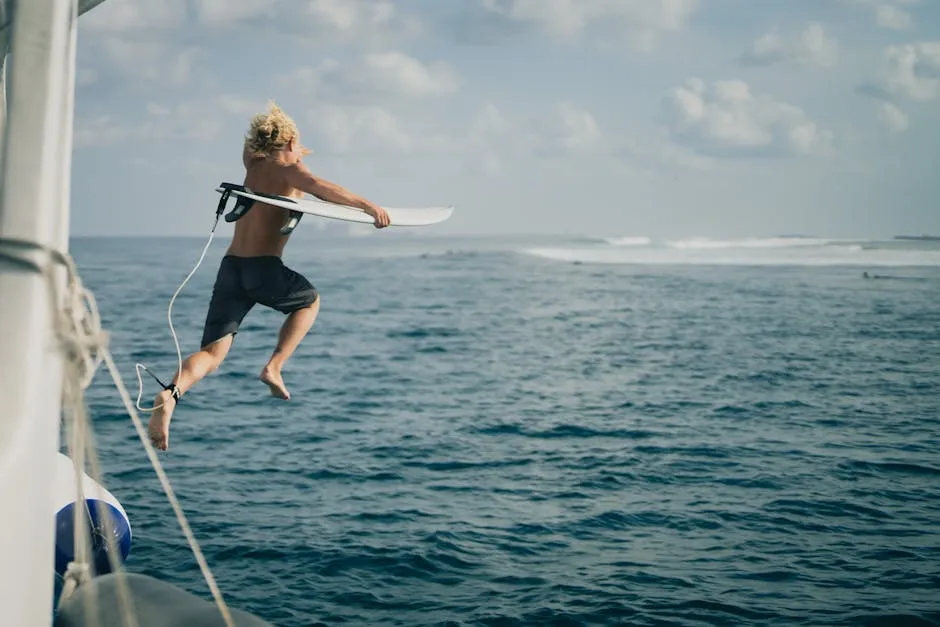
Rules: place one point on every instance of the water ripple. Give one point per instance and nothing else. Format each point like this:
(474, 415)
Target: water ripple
(491, 439)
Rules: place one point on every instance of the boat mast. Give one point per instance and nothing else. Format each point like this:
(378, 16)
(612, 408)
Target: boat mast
(5, 16)
(34, 206)
(3, 93)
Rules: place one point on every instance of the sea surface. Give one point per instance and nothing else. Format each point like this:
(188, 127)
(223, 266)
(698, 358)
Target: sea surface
(546, 431)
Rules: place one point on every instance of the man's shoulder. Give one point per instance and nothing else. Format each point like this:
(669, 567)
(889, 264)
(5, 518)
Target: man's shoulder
(295, 173)
(277, 165)
(273, 171)
(272, 179)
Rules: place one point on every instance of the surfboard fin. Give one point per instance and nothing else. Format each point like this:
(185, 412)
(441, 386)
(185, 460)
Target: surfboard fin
(242, 205)
(292, 222)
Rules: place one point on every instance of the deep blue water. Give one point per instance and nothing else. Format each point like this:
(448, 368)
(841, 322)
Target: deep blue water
(483, 437)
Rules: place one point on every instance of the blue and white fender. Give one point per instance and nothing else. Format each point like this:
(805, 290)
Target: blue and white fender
(99, 503)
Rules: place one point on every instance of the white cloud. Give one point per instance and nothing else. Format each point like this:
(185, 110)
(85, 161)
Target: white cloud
(347, 16)
(317, 21)
(186, 121)
(888, 13)
(890, 16)
(563, 106)
(913, 70)
(811, 46)
(642, 20)
(491, 164)
(99, 130)
(222, 13)
(490, 137)
(149, 61)
(396, 72)
(156, 109)
(653, 155)
(577, 130)
(241, 106)
(727, 119)
(892, 117)
(566, 131)
(327, 19)
(86, 76)
(350, 130)
(129, 38)
(121, 16)
(489, 122)
(375, 76)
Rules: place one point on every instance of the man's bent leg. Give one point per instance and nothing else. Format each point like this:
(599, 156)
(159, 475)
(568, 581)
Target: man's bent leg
(292, 332)
(195, 368)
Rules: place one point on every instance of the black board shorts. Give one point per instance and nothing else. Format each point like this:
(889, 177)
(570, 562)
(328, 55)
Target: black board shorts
(244, 281)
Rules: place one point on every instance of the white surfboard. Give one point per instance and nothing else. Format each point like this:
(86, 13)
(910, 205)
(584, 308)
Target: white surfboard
(398, 216)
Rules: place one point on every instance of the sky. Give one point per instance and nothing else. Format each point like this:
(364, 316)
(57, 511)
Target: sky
(657, 118)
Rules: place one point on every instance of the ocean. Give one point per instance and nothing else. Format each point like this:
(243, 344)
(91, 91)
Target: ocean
(546, 431)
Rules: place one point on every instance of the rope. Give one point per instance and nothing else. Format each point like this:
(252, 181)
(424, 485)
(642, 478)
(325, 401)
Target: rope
(85, 346)
(165, 482)
(78, 329)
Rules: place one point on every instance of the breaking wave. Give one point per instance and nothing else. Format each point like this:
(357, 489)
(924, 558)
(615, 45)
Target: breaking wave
(628, 241)
(781, 250)
(748, 242)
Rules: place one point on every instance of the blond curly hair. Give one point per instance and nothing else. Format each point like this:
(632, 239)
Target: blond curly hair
(269, 132)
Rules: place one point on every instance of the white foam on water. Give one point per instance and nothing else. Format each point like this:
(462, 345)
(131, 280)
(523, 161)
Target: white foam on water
(628, 241)
(758, 255)
(748, 242)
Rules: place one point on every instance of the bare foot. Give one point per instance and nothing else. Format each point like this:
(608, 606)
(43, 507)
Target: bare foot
(273, 379)
(159, 427)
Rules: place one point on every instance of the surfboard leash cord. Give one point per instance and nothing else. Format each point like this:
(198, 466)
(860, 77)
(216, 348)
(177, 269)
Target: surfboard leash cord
(172, 387)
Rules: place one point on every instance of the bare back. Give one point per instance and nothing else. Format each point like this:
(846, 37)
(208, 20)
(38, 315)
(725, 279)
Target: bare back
(258, 232)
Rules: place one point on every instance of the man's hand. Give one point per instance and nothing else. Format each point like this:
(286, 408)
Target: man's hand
(381, 217)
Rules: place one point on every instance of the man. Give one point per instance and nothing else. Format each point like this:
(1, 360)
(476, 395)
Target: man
(252, 271)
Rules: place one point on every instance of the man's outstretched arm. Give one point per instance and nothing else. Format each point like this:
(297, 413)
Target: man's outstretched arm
(303, 179)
